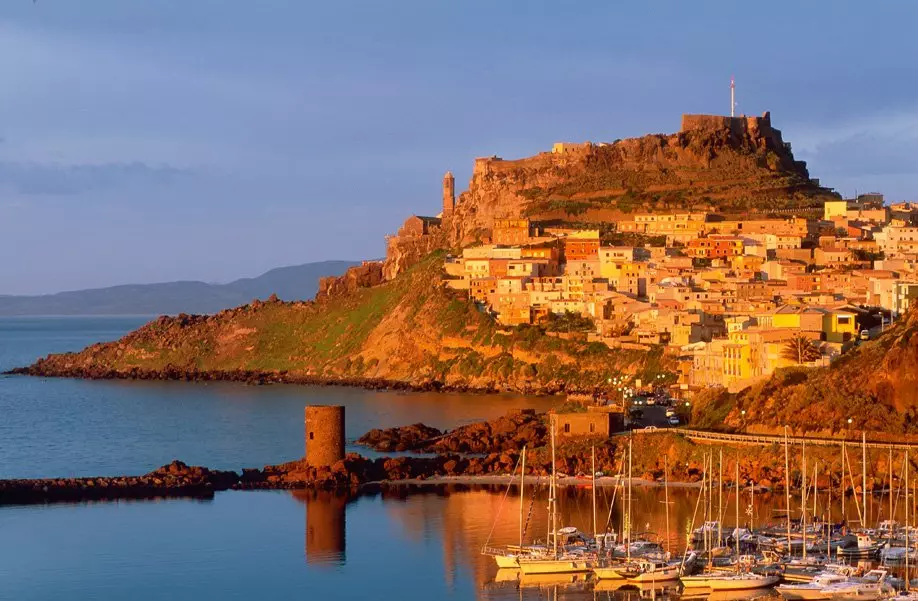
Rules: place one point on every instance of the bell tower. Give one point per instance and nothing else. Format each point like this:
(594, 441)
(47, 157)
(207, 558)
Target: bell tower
(449, 194)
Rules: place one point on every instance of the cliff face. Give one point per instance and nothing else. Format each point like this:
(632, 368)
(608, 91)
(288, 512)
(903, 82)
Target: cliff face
(408, 331)
(875, 385)
(714, 163)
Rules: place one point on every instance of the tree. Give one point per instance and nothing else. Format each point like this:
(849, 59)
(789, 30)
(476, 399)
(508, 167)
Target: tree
(801, 350)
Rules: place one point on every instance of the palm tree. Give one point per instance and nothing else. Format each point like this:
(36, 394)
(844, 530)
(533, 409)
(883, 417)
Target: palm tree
(801, 350)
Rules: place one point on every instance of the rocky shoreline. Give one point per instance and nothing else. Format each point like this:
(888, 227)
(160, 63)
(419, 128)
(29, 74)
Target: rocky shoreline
(483, 452)
(259, 377)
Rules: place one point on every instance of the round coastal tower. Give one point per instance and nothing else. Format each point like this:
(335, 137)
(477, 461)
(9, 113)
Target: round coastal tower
(324, 431)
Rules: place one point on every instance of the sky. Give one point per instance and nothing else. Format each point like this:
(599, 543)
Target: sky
(145, 141)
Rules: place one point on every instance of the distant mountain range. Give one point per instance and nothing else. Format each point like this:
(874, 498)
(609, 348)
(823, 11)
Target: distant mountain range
(298, 282)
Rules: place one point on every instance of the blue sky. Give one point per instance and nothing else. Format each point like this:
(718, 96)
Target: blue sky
(147, 141)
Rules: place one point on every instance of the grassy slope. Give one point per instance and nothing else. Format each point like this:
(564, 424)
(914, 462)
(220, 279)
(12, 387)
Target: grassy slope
(410, 330)
(875, 385)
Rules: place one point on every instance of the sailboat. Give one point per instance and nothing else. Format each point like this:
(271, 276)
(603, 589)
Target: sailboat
(556, 561)
(657, 570)
(738, 581)
(508, 557)
(609, 568)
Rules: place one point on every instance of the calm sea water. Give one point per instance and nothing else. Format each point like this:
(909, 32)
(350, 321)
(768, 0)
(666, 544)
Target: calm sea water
(240, 544)
(59, 427)
(412, 544)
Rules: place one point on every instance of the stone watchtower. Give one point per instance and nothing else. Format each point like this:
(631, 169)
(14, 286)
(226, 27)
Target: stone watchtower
(324, 432)
(449, 194)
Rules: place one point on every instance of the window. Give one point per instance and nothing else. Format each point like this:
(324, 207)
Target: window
(592, 427)
(567, 428)
(312, 435)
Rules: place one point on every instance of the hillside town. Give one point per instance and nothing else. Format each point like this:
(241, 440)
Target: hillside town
(733, 298)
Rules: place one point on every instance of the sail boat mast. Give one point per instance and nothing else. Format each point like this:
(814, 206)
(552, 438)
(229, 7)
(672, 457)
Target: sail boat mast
(628, 542)
(890, 487)
(787, 489)
(803, 490)
(554, 501)
(522, 485)
(720, 501)
(593, 487)
(829, 538)
(864, 477)
(736, 532)
(841, 489)
(666, 499)
(906, 522)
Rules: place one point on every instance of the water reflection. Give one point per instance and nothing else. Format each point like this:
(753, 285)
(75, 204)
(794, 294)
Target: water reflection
(462, 519)
(407, 543)
(325, 526)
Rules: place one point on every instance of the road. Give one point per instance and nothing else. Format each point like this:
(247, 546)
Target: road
(654, 415)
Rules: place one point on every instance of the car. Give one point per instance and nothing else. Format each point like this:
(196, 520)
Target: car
(865, 335)
(670, 412)
(674, 420)
(650, 429)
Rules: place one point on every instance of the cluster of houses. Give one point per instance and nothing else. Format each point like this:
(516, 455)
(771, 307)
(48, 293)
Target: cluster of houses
(726, 295)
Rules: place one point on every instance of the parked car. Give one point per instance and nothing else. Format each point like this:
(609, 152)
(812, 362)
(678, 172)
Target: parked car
(674, 420)
(670, 412)
(865, 335)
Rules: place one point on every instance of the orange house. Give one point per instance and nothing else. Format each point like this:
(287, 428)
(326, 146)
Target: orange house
(581, 246)
(714, 247)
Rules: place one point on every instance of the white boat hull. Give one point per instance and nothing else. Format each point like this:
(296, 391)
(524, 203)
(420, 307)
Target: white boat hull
(729, 582)
(802, 593)
(657, 575)
(555, 566)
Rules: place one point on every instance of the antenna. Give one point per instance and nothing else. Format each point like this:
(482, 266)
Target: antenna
(732, 97)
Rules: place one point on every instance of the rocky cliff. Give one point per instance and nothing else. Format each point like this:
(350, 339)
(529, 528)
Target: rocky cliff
(713, 163)
(875, 386)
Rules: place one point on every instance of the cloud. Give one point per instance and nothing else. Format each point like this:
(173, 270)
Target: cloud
(867, 153)
(56, 179)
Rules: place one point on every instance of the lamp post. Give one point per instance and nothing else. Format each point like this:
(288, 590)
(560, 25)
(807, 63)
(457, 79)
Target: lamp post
(743, 419)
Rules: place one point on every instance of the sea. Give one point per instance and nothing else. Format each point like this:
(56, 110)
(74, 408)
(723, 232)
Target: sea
(410, 543)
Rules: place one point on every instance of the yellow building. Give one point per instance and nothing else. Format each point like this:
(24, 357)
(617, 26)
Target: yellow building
(835, 209)
(738, 363)
(832, 325)
(839, 326)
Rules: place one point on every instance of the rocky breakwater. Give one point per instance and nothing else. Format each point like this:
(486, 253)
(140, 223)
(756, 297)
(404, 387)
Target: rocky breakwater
(510, 432)
(176, 479)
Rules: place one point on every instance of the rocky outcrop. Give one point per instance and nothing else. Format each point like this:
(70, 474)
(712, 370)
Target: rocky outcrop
(874, 385)
(173, 480)
(401, 438)
(404, 251)
(369, 273)
(510, 432)
(718, 164)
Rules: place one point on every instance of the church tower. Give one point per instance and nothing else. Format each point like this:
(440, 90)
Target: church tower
(449, 194)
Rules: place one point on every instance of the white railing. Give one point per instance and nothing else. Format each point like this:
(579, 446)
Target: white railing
(764, 439)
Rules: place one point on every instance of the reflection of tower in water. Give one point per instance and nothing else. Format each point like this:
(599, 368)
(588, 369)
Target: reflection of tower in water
(325, 530)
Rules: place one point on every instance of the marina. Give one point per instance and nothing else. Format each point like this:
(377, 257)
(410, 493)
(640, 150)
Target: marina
(810, 549)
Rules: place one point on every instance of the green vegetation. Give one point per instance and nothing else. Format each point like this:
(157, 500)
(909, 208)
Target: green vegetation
(801, 349)
(411, 329)
(569, 322)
